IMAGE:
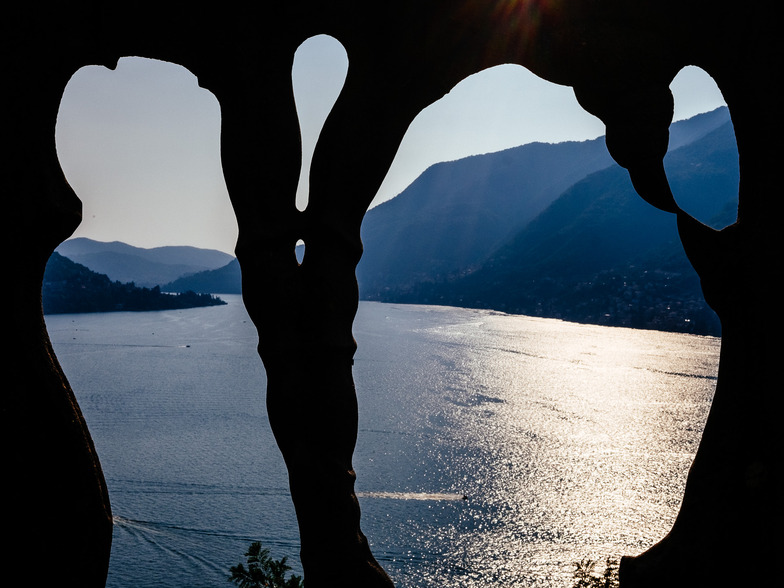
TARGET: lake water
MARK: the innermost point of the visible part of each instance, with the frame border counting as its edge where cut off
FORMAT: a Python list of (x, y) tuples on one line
[(567, 441)]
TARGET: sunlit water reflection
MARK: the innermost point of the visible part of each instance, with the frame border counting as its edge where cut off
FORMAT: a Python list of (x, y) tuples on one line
[(569, 441), (493, 450)]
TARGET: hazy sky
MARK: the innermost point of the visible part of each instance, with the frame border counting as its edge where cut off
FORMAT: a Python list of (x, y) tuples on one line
[(140, 144)]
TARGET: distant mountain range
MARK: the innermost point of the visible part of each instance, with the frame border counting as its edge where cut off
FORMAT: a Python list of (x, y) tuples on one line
[(545, 244), (553, 230), (144, 267), (223, 280), (456, 214)]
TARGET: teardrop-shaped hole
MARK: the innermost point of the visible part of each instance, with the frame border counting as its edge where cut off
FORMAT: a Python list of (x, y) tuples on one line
[(702, 160), (317, 76)]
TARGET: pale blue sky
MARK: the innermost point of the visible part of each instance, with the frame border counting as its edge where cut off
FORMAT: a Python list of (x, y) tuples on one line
[(140, 144)]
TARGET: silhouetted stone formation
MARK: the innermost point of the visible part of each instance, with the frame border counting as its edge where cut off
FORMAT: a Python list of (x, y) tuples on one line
[(619, 56)]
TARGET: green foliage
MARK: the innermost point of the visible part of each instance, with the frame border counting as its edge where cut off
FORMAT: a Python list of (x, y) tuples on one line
[(586, 576), (263, 571)]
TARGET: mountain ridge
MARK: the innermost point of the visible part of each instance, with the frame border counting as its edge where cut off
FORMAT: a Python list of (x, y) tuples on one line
[(600, 239), (532, 228), (455, 214), (223, 280), (146, 267)]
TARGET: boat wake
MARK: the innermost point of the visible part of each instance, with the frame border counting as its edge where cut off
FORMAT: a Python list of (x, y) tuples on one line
[(413, 495)]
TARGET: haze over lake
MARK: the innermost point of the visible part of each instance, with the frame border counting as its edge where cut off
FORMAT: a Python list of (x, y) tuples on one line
[(494, 450)]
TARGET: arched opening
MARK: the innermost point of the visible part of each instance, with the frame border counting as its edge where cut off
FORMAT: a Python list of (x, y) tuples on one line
[(506, 446), (173, 398), (140, 146), (499, 108), (705, 176), (523, 228)]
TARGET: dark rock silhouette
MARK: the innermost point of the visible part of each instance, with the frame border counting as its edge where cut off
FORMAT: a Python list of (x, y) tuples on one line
[(618, 56)]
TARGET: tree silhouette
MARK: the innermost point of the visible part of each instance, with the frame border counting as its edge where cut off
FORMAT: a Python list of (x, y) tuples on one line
[(585, 576), (263, 571)]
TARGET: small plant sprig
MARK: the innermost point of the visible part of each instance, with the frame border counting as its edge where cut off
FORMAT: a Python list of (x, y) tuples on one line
[(263, 571), (586, 576)]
